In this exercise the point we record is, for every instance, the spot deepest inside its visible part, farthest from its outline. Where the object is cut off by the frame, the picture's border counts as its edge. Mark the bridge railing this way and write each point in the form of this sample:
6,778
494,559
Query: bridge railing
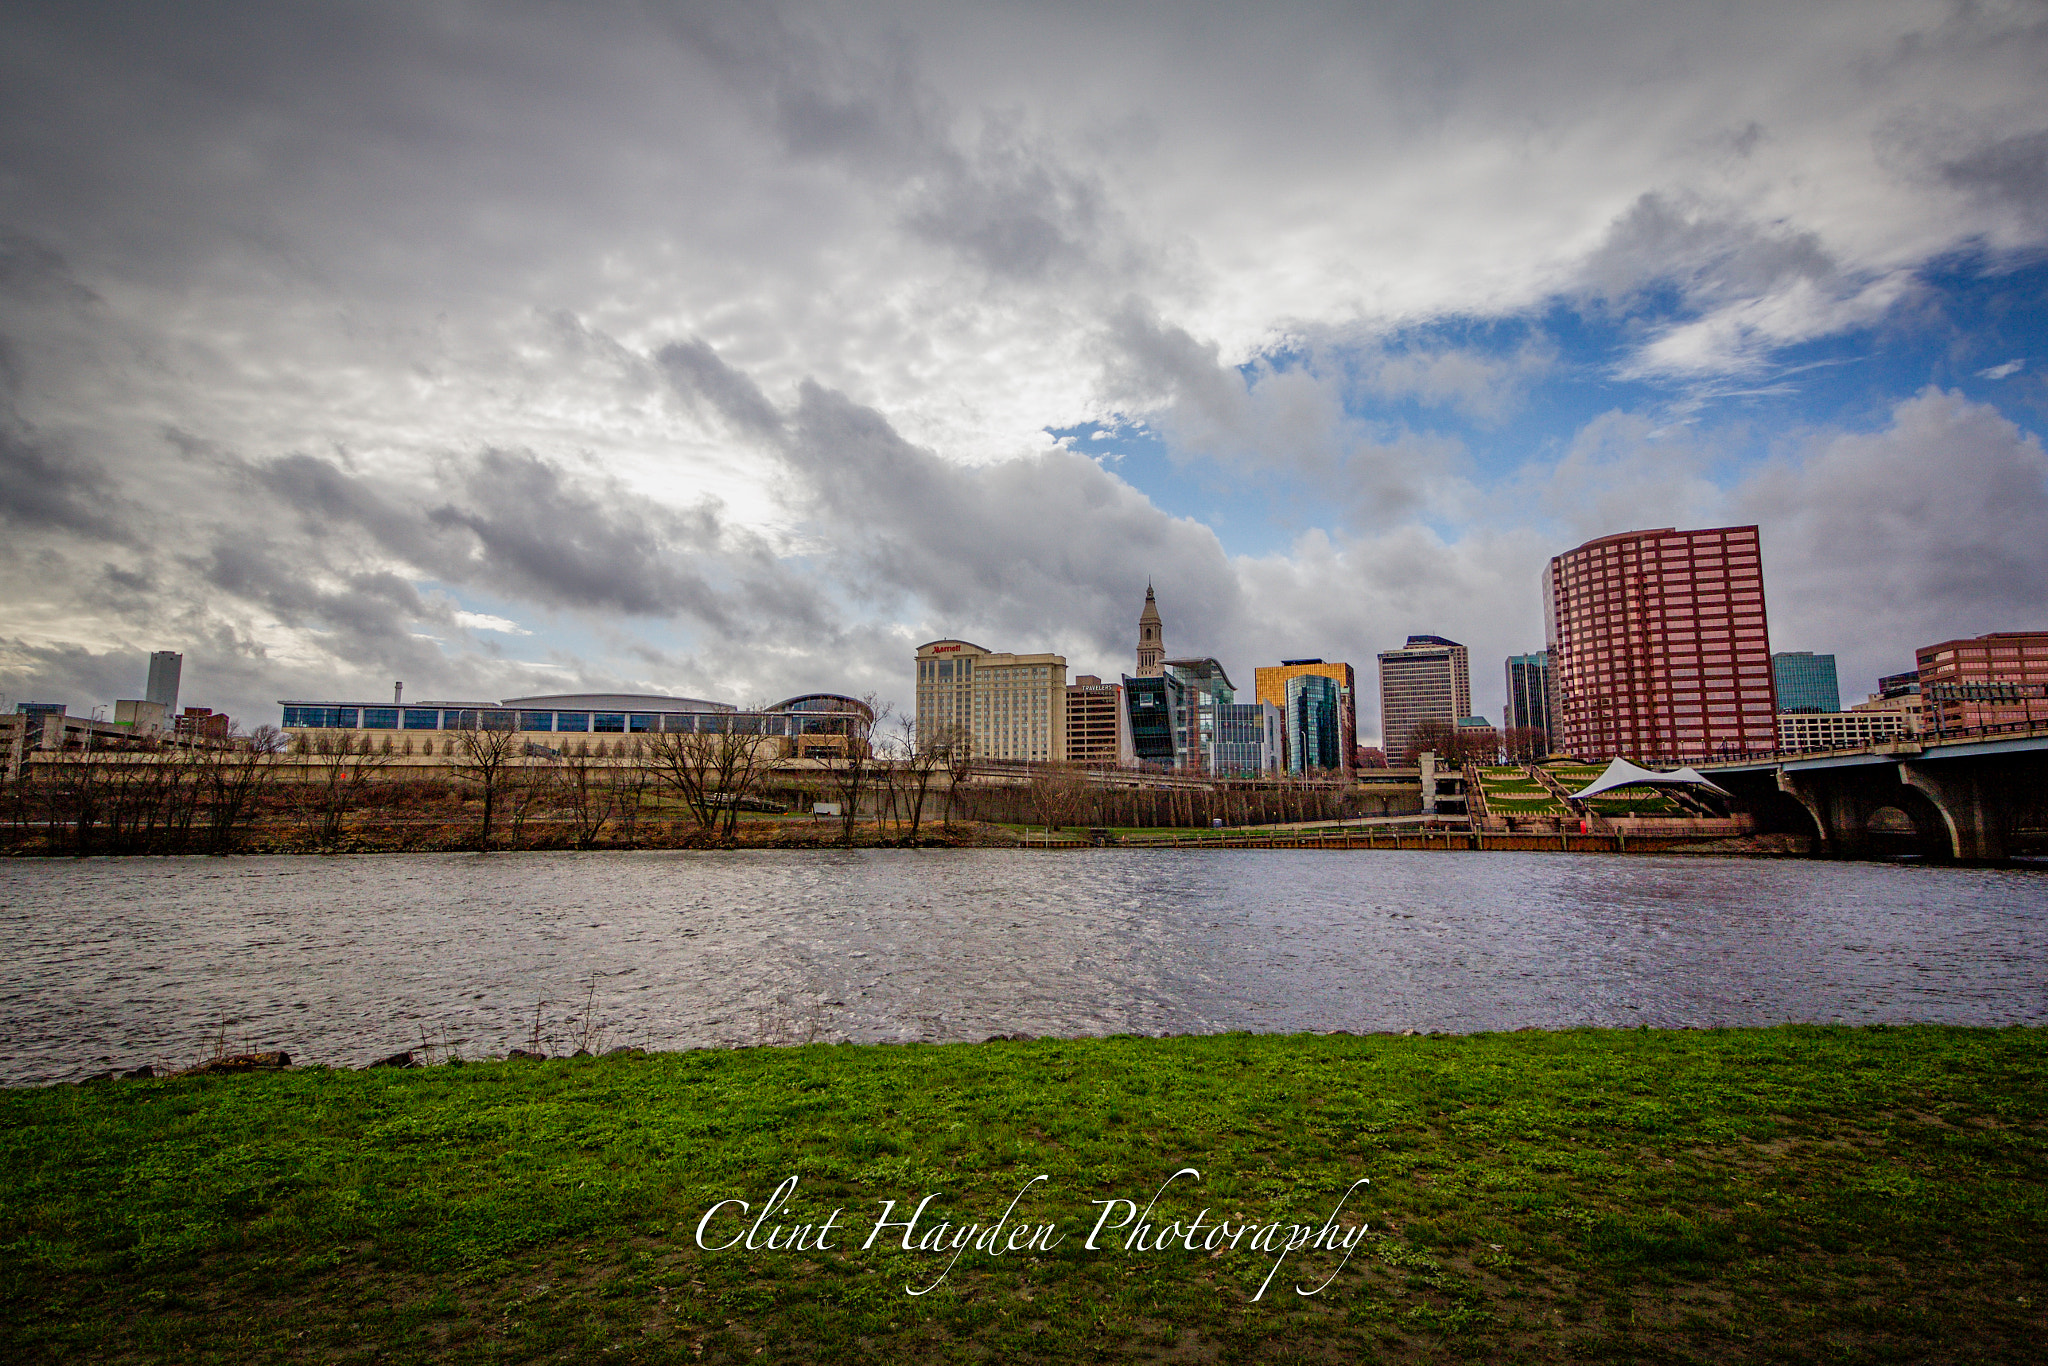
1945,735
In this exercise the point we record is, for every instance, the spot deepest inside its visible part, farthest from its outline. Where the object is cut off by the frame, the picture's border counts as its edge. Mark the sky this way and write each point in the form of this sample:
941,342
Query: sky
733,351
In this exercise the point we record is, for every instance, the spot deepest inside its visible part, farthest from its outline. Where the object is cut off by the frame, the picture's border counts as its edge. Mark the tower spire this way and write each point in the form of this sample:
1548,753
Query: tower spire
1151,638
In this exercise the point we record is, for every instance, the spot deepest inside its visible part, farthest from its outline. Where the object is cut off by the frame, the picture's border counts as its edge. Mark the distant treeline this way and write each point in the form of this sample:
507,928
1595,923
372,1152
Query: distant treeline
493,793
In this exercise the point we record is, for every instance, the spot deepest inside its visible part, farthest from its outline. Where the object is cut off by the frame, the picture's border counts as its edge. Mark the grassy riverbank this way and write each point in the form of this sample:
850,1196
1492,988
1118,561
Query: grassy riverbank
1794,1194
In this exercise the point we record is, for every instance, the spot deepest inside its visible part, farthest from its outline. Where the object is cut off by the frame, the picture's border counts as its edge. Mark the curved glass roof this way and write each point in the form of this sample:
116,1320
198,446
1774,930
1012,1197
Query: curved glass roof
823,701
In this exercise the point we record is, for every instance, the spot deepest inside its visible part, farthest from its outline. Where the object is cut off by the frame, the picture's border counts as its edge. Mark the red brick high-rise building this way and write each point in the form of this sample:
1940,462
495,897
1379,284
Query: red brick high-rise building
1995,680
1659,648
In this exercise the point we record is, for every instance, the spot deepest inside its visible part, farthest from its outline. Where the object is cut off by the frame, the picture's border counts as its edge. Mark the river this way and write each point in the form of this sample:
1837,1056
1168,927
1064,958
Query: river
117,962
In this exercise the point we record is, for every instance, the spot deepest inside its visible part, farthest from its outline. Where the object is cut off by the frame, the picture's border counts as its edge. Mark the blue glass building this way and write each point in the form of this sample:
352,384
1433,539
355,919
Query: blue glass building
1314,723
1805,682
1529,706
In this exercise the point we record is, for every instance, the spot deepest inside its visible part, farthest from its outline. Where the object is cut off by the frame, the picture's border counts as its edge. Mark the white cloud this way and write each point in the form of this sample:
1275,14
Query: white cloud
1933,527
300,323
483,621
2011,367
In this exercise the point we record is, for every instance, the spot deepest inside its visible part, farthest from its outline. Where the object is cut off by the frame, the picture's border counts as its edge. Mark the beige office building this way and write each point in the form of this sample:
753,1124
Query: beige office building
1799,732
1428,679
1005,706
1098,730
1906,706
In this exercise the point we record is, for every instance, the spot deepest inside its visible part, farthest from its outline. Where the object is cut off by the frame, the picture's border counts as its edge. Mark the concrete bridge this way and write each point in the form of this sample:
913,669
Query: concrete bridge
1978,796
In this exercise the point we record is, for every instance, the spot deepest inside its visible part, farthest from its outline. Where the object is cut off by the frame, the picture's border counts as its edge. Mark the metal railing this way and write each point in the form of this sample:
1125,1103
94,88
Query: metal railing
1922,740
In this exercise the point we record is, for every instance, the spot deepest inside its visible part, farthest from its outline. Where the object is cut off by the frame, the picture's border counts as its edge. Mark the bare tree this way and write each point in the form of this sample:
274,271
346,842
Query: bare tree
959,763
925,753
682,763
1526,744
133,786
234,778
714,772
588,795
485,755
1057,792
21,794
343,769
528,788
855,771
77,792
889,745
628,784
1438,736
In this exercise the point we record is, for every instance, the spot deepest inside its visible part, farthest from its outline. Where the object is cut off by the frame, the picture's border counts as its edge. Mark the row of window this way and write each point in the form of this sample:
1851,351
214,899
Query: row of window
560,722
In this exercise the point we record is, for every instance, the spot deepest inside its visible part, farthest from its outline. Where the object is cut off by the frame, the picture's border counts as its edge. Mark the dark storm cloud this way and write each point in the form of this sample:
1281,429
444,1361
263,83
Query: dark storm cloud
65,672
697,372
1011,208
1711,255
578,546
368,606
1016,546
1261,418
1160,364
328,498
33,270
1023,543
825,100
2011,172
367,618
998,196
46,489
43,484
371,234
511,522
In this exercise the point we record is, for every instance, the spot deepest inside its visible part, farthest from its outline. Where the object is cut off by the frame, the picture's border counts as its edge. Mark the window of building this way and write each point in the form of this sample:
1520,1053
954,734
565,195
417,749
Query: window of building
572,720
422,718
609,721
536,720
380,718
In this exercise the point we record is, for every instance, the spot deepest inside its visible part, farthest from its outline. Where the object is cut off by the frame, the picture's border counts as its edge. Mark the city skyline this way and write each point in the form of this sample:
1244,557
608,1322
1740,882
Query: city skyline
743,350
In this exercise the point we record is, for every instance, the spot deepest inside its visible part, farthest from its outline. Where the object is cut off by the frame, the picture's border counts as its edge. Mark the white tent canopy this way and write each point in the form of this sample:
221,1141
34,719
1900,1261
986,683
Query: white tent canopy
1622,773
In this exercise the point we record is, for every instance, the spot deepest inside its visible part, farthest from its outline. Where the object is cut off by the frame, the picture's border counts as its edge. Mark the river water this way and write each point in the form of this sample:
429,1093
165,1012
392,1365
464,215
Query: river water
117,962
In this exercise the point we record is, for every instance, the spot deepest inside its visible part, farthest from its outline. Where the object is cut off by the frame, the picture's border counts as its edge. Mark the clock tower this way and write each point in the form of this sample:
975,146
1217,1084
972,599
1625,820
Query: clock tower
1151,639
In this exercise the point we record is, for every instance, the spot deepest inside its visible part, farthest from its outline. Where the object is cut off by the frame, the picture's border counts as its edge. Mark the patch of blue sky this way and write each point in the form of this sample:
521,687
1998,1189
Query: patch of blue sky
1558,373
1973,323
1251,514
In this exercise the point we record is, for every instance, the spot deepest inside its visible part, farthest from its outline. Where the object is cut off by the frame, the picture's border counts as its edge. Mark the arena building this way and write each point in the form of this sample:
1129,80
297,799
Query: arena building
811,725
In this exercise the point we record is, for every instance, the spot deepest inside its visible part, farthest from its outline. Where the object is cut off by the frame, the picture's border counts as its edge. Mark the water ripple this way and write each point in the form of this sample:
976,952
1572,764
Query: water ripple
116,962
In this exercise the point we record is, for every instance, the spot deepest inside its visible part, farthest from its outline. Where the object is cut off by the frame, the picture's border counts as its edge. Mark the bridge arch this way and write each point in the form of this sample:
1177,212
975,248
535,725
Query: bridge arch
1949,810
1974,798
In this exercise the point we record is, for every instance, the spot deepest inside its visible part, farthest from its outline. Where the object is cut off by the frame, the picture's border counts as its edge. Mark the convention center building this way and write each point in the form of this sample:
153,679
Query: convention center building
812,725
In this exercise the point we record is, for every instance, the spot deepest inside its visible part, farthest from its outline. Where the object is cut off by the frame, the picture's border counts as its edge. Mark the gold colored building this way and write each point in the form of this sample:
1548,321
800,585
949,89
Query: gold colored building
1270,681
1005,706
1269,684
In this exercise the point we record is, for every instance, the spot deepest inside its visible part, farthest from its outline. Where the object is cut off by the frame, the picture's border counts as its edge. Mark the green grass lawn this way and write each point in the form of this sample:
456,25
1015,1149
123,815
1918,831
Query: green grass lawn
1799,1194
1512,792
